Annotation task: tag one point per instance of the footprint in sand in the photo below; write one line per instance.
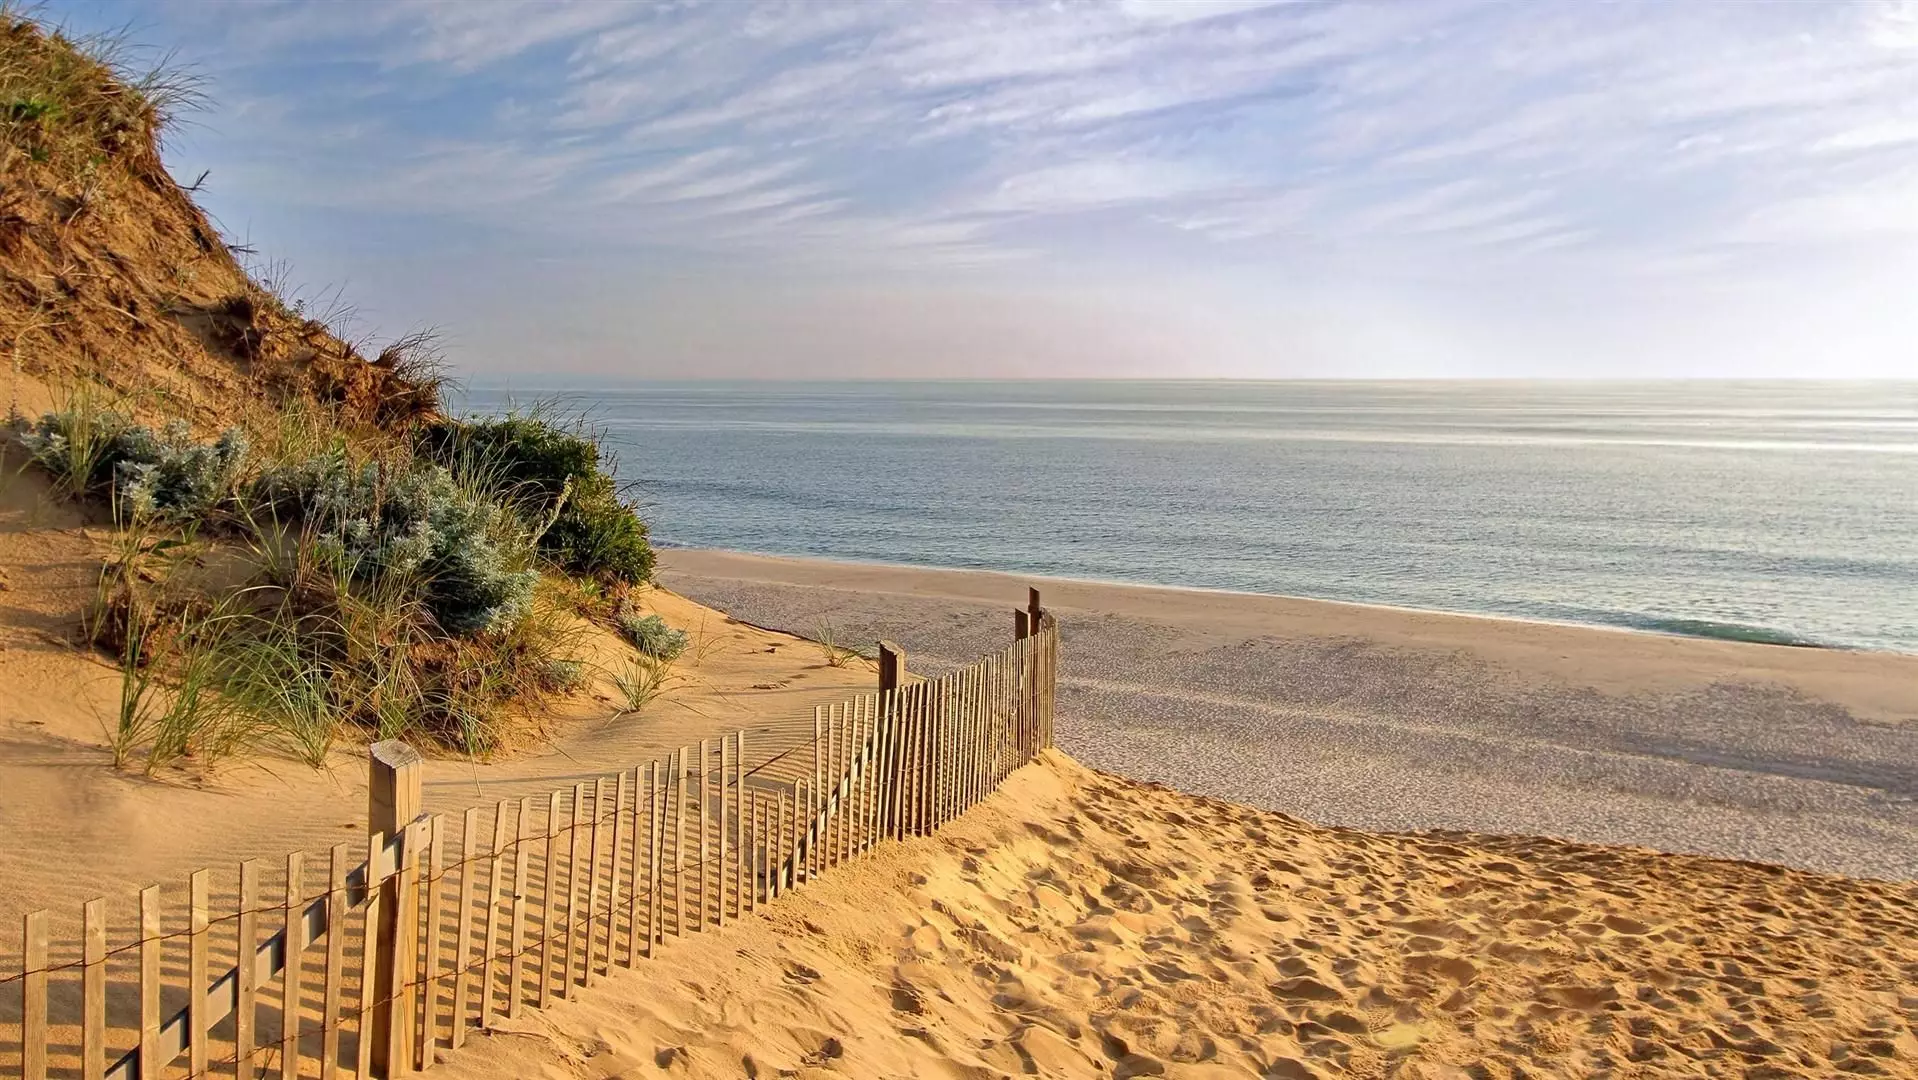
(1442, 928)
(1290, 1069)
(1619, 924)
(1292, 967)
(906, 999)
(1455, 968)
(1047, 1053)
(1348, 1022)
(1098, 928)
(1583, 998)
(925, 940)
(1306, 989)
(1055, 901)
(1126, 897)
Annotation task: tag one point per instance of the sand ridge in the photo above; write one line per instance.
(1082, 924)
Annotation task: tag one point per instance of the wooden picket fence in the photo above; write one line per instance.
(424, 933)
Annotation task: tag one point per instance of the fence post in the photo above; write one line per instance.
(892, 664)
(1035, 671)
(393, 801)
(892, 669)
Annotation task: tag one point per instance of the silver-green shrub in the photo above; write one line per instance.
(564, 676)
(469, 556)
(163, 475)
(168, 475)
(650, 634)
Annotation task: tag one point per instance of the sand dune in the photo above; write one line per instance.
(1081, 924)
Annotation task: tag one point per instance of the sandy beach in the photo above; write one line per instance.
(1382, 718)
(1083, 923)
(1079, 924)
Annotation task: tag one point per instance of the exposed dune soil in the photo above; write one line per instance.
(1081, 924)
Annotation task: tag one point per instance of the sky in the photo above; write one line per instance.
(1187, 188)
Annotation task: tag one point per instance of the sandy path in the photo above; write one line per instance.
(1079, 925)
(77, 829)
(1391, 719)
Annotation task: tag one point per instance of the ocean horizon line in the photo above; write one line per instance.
(488, 381)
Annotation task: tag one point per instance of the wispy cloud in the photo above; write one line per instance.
(1219, 118)
(976, 134)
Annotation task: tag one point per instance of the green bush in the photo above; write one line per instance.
(150, 475)
(558, 479)
(73, 446)
(562, 675)
(650, 634)
(171, 477)
(599, 536)
(467, 555)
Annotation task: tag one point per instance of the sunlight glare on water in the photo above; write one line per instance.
(1777, 511)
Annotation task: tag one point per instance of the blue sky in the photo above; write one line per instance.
(1186, 188)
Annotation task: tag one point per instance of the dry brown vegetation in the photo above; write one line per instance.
(110, 274)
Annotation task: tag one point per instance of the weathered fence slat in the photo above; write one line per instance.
(598, 881)
(330, 988)
(463, 943)
(579, 932)
(613, 875)
(850, 768)
(704, 793)
(544, 976)
(836, 816)
(755, 837)
(430, 984)
(293, 979)
(401, 956)
(818, 779)
(821, 838)
(861, 803)
(719, 860)
(569, 945)
(495, 870)
(33, 1003)
(922, 751)
(678, 810)
(519, 888)
(655, 841)
(776, 846)
(150, 981)
(632, 882)
(93, 1023)
(595, 884)
(369, 962)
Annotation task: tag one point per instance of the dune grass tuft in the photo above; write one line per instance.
(77, 105)
(832, 647)
(639, 680)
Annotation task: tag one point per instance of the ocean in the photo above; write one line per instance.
(1772, 511)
